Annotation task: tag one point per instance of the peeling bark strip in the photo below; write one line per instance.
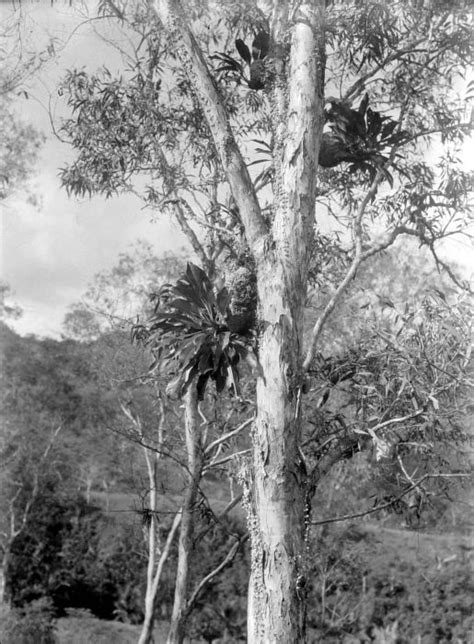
(276, 612)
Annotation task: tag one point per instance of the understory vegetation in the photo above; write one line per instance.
(81, 555)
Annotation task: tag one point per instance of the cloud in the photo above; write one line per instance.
(50, 253)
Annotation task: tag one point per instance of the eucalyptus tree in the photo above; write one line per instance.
(235, 142)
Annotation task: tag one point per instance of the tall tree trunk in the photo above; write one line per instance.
(157, 555)
(281, 252)
(146, 634)
(153, 582)
(194, 471)
(278, 610)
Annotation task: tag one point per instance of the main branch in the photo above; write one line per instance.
(172, 17)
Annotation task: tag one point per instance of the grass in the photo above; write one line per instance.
(85, 629)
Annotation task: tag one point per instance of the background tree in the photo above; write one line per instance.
(116, 298)
(155, 424)
(27, 445)
(8, 309)
(392, 74)
(20, 142)
(192, 335)
(50, 403)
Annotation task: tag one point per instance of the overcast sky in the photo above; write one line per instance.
(51, 252)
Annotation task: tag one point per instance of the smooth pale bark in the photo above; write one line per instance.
(3, 569)
(153, 579)
(281, 252)
(157, 555)
(147, 626)
(193, 475)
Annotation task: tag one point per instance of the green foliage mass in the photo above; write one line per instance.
(366, 581)
(195, 333)
(32, 624)
(74, 556)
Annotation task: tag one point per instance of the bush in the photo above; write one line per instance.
(72, 554)
(30, 625)
(366, 586)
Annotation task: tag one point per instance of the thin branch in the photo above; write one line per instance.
(172, 17)
(179, 206)
(34, 493)
(400, 419)
(230, 506)
(360, 83)
(330, 459)
(328, 309)
(217, 570)
(227, 436)
(439, 262)
(383, 506)
(358, 258)
(440, 130)
(134, 437)
(411, 48)
(165, 552)
(385, 243)
(404, 230)
(224, 460)
(402, 467)
(134, 419)
(218, 518)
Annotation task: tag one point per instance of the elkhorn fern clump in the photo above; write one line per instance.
(194, 335)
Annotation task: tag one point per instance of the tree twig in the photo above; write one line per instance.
(218, 569)
(352, 270)
(227, 436)
(383, 506)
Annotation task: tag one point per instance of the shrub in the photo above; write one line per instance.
(32, 624)
(372, 585)
(72, 554)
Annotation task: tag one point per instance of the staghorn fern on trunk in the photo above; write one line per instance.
(194, 334)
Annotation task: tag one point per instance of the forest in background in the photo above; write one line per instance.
(75, 495)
